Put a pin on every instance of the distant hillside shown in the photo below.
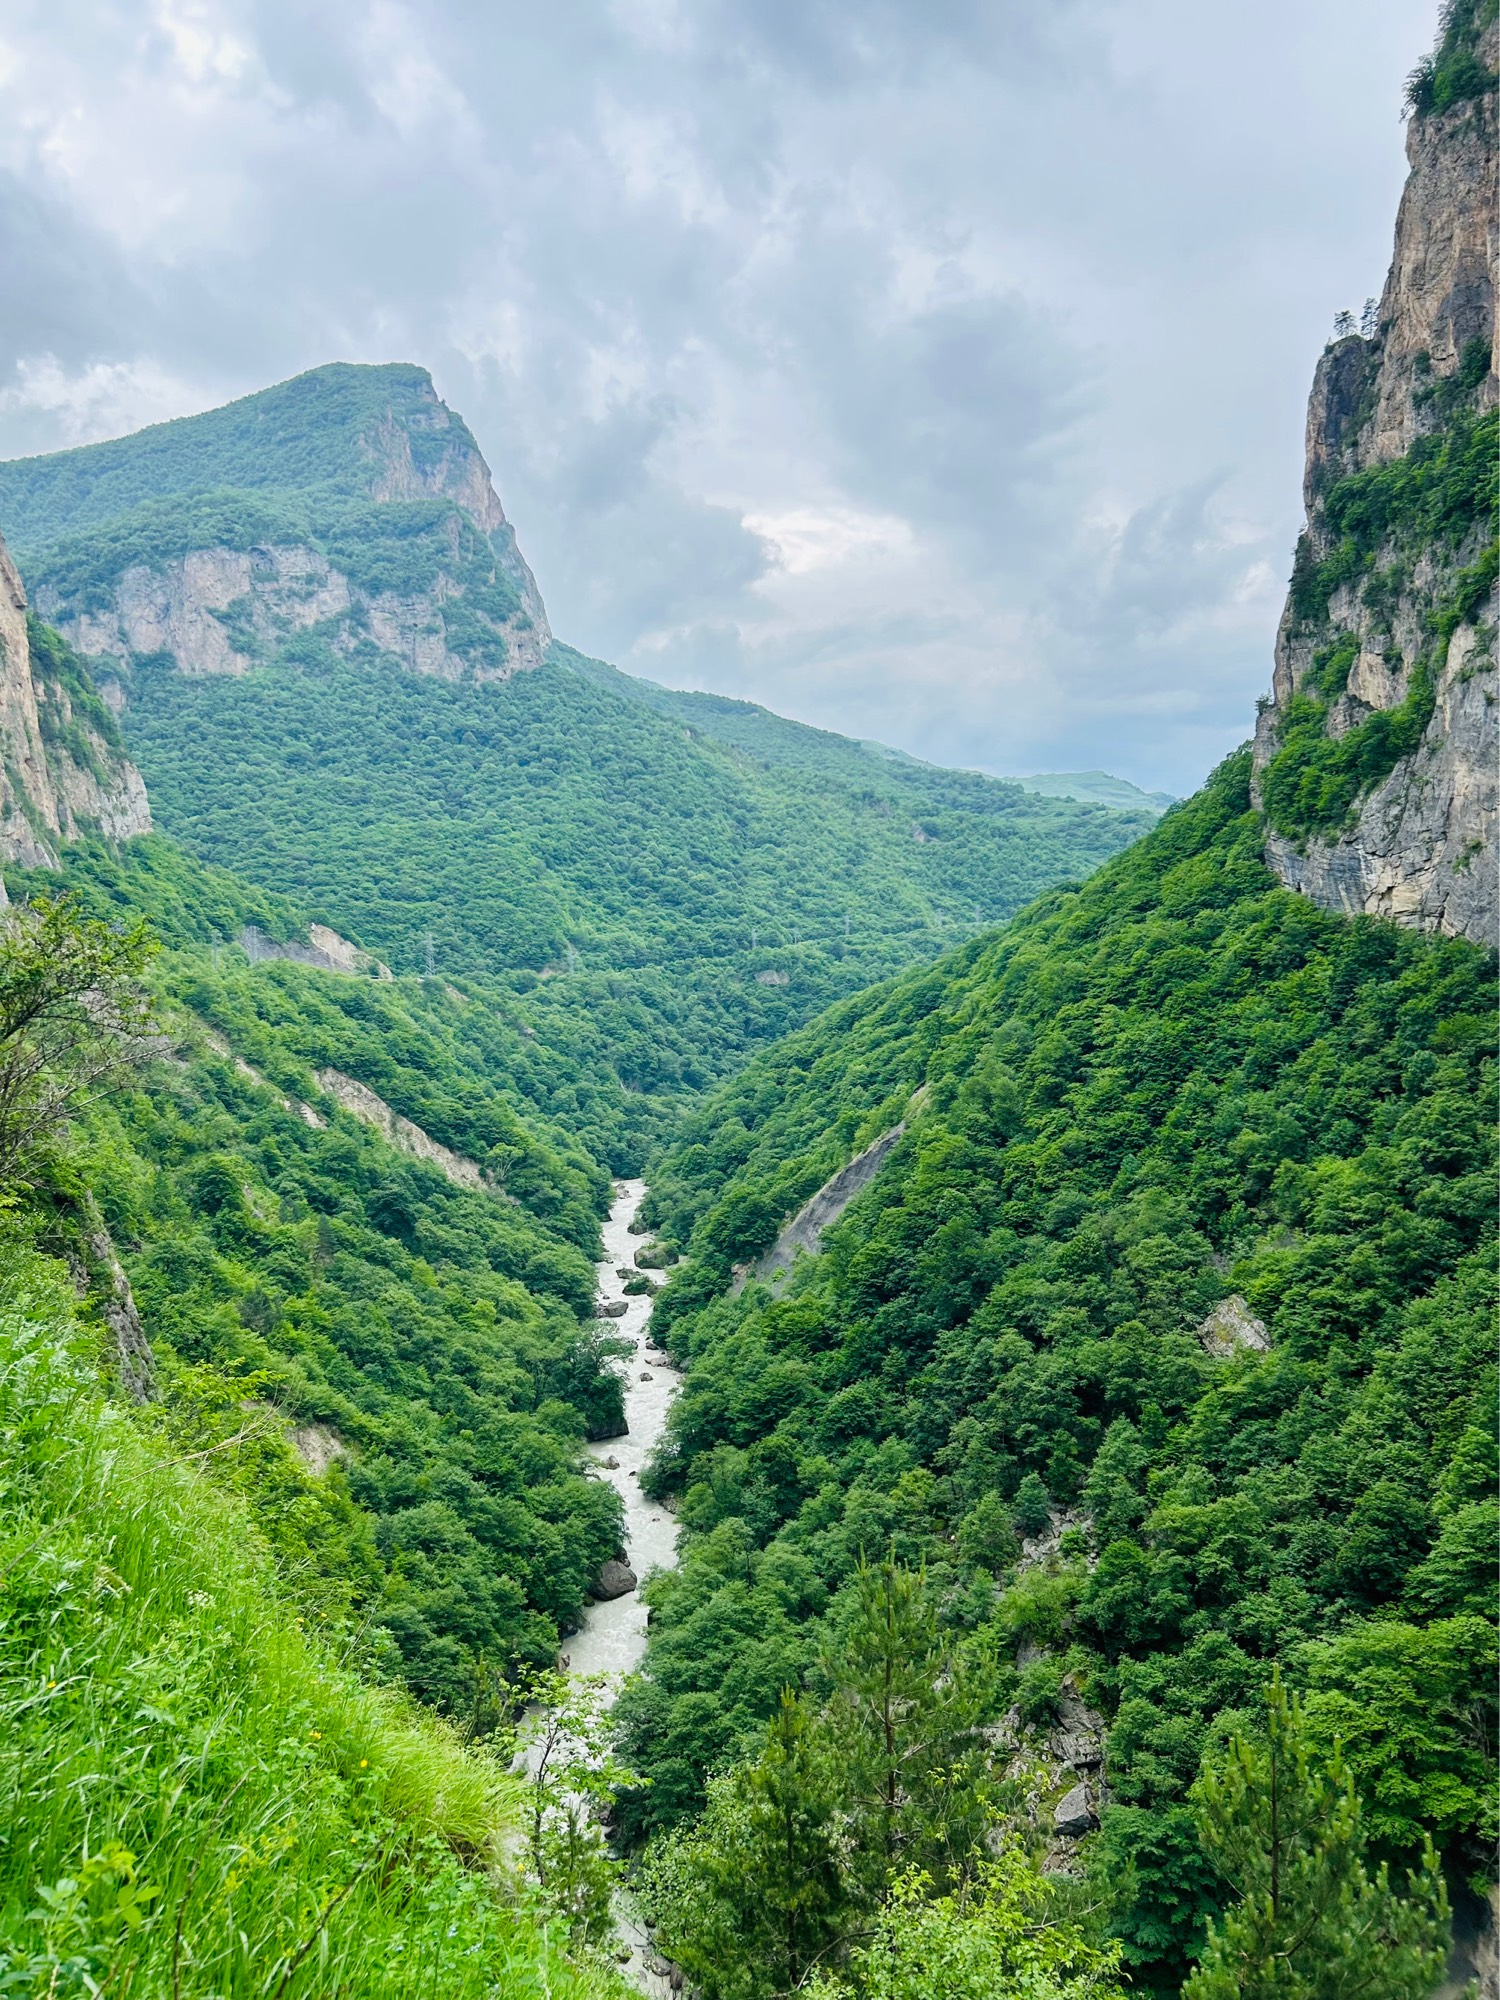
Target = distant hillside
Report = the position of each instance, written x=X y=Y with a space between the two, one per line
x=336 y=675
x=1097 y=785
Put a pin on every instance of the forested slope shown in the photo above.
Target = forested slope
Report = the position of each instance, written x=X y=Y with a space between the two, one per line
x=416 y=1353
x=1178 y=1085
x=336 y=677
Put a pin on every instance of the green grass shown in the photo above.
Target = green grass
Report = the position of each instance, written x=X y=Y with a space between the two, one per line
x=196 y=1799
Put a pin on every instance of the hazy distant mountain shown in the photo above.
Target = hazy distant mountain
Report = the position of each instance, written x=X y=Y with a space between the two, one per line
x=1099 y=787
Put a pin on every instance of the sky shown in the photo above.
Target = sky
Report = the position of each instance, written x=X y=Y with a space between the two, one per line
x=929 y=370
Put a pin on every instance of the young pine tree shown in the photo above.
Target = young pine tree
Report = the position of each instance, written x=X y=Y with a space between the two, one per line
x=1312 y=1922
x=901 y=1723
x=752 y=1896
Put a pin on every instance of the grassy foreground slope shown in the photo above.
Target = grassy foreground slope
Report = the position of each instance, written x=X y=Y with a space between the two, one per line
x=197 y=1801
x=1176 y=1085
x=397 y=1370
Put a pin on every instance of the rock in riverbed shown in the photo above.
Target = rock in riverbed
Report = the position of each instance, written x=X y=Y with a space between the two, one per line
x=615 y=1579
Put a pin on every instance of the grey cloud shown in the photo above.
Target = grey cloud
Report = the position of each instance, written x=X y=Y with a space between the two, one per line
x=842 y=43
x=979 y=272
x=66 y=291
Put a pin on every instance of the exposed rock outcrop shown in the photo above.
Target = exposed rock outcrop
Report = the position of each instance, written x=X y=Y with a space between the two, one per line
x=398 y=1131
x=1389 y=614
x=222 y=609
x=1231 y=1328
x=324 y=949
x=62 y=772
x=252 y=1075
x=804 y=1233
x=99 y=1277
x=318 y=1447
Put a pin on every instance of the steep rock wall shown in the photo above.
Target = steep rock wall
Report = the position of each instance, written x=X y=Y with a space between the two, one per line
x=1375 y=758
x=61 y=774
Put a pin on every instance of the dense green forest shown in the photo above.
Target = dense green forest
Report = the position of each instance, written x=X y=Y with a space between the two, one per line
x=287 y=1260
x=689 y=898
x=1178 y=1085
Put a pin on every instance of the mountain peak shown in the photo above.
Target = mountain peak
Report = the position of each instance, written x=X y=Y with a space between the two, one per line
x=348 y=507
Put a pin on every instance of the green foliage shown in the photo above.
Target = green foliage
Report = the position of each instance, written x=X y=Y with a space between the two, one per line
x=995 y=1936
x=1315 y=780
x=752 y=1899
x=70 y=709
x=72 y=1010
x=440 y=1336
x=1176 y=1083
x=571 y=1776
x=562 y=844
x=1436 y=495
x=1311 y=1923
x=878 y=1778
x=198 y=1802
x=1454 y=72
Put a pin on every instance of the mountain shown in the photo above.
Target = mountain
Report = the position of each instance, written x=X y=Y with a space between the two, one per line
x=350 y=503
x=1375 y=758
x=336 y=675
x=1092 y=1331
x=1098 y=785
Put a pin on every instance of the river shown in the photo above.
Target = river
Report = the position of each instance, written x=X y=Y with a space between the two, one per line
x=612 y=1638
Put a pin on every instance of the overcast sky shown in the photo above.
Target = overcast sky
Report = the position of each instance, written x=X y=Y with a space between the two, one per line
x=932 y=370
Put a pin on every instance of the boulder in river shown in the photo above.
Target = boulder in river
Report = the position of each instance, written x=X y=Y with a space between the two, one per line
x=615 y=1579
x=610 y=1309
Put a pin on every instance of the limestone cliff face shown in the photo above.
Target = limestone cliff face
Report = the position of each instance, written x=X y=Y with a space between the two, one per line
x=223 y=610
x=62 y=772
x=1375 y=759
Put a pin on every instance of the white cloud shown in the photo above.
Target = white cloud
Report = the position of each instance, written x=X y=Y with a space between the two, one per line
x=105 y=399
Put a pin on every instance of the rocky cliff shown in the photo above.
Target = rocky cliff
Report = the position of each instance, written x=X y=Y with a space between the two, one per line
x=62 y=770
x=349 y=510
x=1375 y=757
